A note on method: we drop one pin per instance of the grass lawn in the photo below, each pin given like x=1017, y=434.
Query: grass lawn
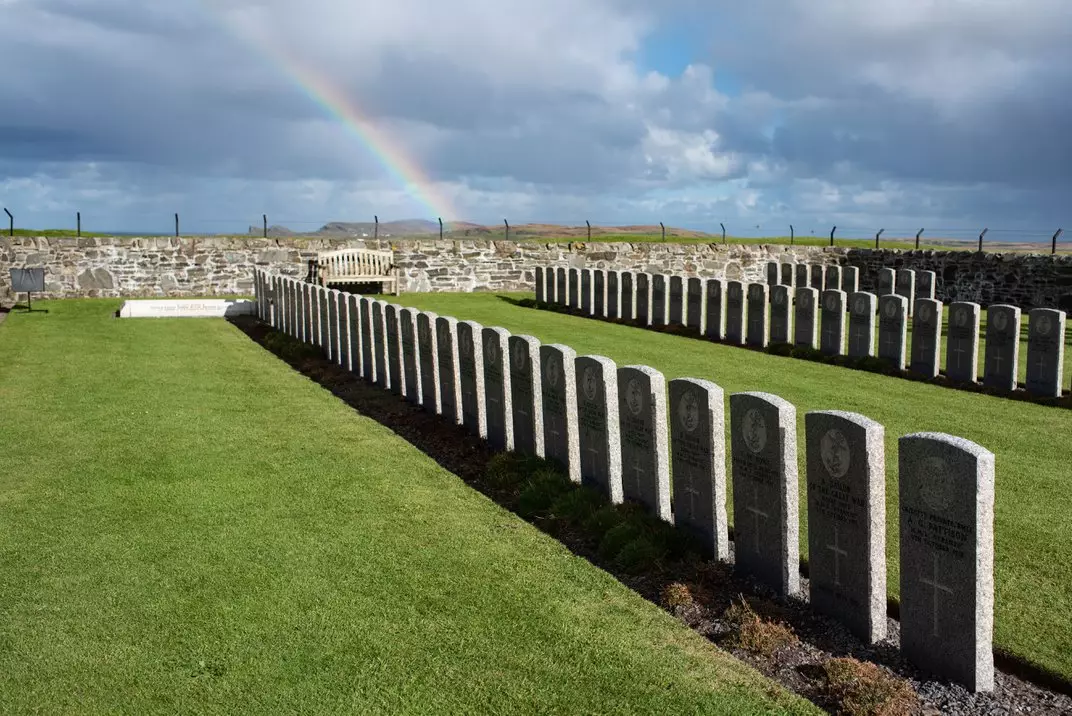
x=189, y=526
x=1031, y=443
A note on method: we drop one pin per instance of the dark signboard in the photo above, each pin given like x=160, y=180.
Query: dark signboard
x=27, y=280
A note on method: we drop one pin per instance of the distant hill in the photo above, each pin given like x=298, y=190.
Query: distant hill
x=465, y=229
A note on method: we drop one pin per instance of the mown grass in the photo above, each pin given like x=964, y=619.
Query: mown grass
x=1033, y=537
x=190, y=526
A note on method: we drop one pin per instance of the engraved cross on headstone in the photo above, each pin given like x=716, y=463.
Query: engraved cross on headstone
x=756, y=514
x=936, y=587
x=638, y=471
x=691, y=491
x=838, y=554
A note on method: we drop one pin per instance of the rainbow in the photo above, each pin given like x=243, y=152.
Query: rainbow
x=388, y=152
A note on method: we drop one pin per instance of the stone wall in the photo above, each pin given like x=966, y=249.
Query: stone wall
x=120, y=266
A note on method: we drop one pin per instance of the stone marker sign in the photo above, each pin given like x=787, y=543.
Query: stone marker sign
x=946, y=487
x=642, y=425
x=962, y=342
x=893, y=329
x=832, y=338
x=1002, y=346
x=187, y=308
x=698, y=457
x=525, y=392
x=450, y=385
x=558, y=394
x=736, y=318
x=862, y=307
x=497, y=390
x=806, y=330
x=927, y=337
x=428, y=351
x=847, y=520
x=781, y=315
x=471, y=377
x=1045, y=351
x=597, y=419
x=765, y=489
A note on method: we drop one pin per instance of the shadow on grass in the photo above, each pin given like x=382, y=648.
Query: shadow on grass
x=647, y=555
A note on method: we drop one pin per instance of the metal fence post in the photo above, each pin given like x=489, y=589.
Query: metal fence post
x=918, y=234
x=878, y=235
x=1058, y=233
x=981, y=239
x=664, y=230
x=507, y=223
x=176, y=225
x=792, y=235
x=264, y=217
x=589, y=230
x=832, y=235
x=723, y=231
x=78, y=217
x=10, y=222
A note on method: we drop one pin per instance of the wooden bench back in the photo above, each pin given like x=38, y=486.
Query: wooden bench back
x=355, y=262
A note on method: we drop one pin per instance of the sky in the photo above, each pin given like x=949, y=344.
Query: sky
x=952, y=116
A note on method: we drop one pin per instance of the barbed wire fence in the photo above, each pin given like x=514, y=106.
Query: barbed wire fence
x=996, y=239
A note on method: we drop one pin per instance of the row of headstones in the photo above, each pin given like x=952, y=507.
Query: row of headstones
x=909, y=283
x=634, y=436
x=737, y=313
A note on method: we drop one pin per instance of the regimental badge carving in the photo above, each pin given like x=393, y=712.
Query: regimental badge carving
x=590, y=383
x=755, y=431
x=688, y=411
x=1044, y=324
x=554, y=371
x=834, y=448
x=1001, y=320
x=936, y=486
x=634, y=397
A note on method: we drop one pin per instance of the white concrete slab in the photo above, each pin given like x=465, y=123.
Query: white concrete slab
x=187, y=308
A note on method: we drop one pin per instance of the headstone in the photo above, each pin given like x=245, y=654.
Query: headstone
x=832, y=337
x=450, y=384
x=541, y=287
x=962, y=342
x=846, y=479
x=833, y=277
x=411, y=357
x=765, y=489
x=678, y=309
x=1045, y=351
x=471, y=377
x=599, y=293
x=614, y=295
x=575, y=289
x=850, y=279
x=736, y=320
x=927, y=337
x=357, y=362
x=757, y=315
x=773, y=273
x=713, y=327
x=428, y=350
x=597, y=420
x=886, y=280
x=525, y=391
x=344, y=330
x=787, y=275
x=587, y=292
x=369, y=347
x=558, y=395
x=695, y=304
x=893, y=330
x=324, y=317
x=1002, y=358
x=803, y=276
x=946, y=489
x=660, y=308
x=818, y=276
x=862, y=307
x=311, y=321
x=806, y=328
x=629, y=302
x=643, y=298
x=548, y=285
x=497, y=390
x=562, y=286
x=698, y=457
x=926, y=281
x=906, y=286
x=642, y=425
x=781, y=315
x=394, y=348
x=334, y=325
x=381, y=370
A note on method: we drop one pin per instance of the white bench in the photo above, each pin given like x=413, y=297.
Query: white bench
x=358, y=266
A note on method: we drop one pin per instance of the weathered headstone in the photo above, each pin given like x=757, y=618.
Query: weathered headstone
x=558, y=394
x=642, y=425
x=736, y=307
x=765, y=489
x=893, y=330
x=781, y=315
x=850, y=279
x=497, y=390
x=629, y=302
x=756, y=334
x=597, y=419
x=324, y=316
x=450, y=385
x=946, y=489
x=1045, y=352
x=525, y=395
x=588, y=292
x=614, y=295
x=1002, y=358
x=773, y=273
x=833, y=277
x=926, y=281
x=369, y=346
x=357, y=362
x=862, y=308
x=599, y=293
x=806, y=327
x=887, y=277
x=832, y=338
x=927, y=337
x=574, y=288
x=344, y=330
x=428, y=351
x=846, y=480
x=678, y=309
x=335, y=325
x=906, y=286
x=562, y=286
x=394, y=348
x=309, y=300
x=549, y=284
x=411, y=357
x=698, y=457
x=695, y=304
x=713, y=327
x=660, y=307
x=803, y=276
x=787, y=275
x=541, y=286
x=381, y=371
x=818, y=276
x=471, y=377
x=643, y=298
x=962, y=342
